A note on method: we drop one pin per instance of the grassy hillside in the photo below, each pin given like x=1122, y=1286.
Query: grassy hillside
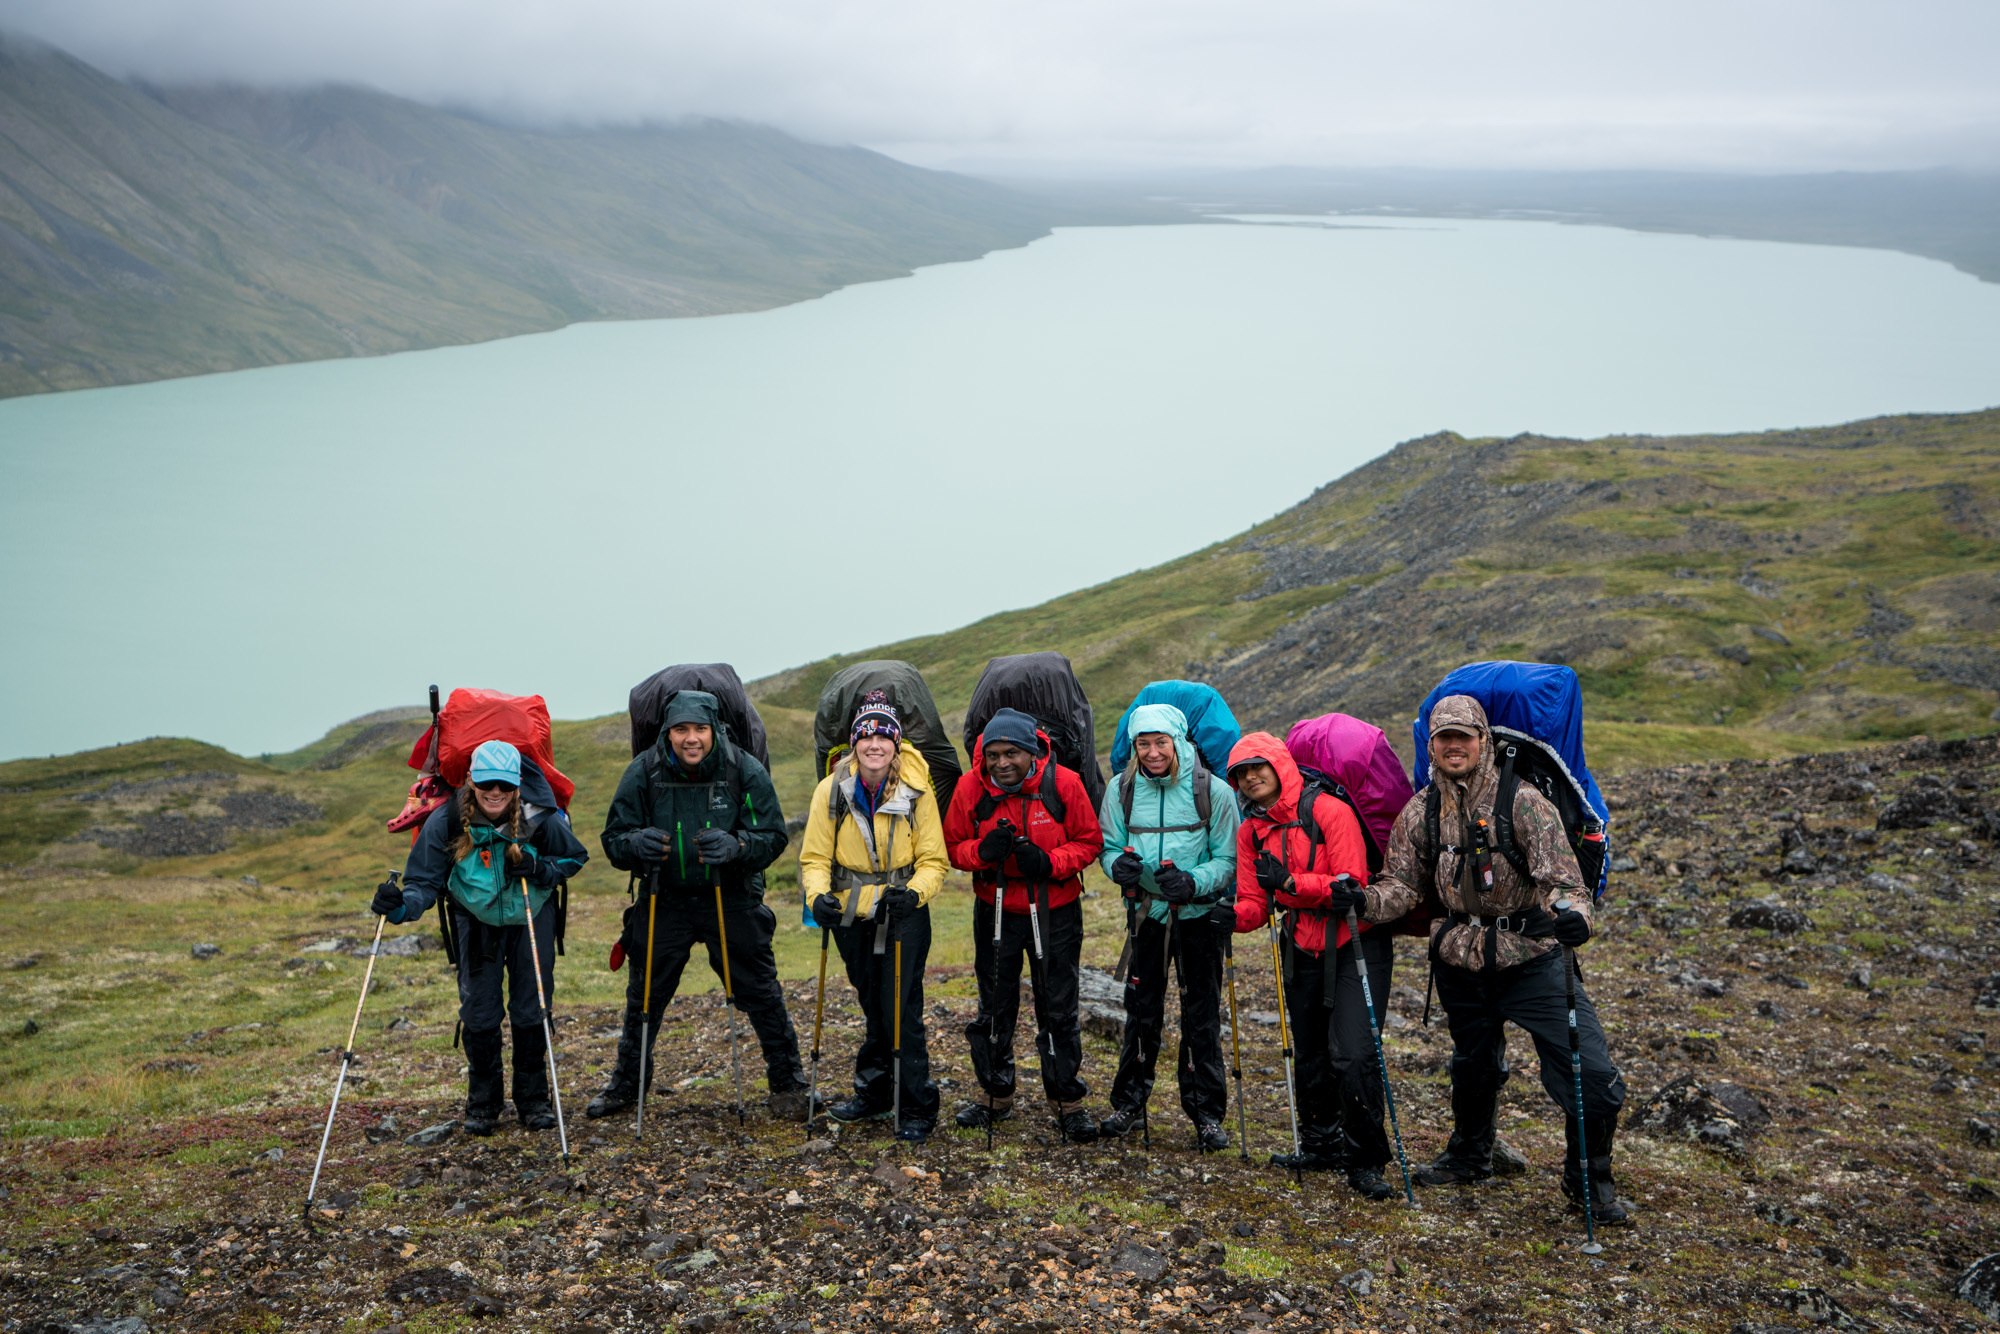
x=154, y=232
x=1721, y=597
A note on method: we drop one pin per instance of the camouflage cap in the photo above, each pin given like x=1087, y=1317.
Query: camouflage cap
x=1458, y=713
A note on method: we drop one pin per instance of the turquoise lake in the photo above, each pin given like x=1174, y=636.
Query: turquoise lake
x=251, y=558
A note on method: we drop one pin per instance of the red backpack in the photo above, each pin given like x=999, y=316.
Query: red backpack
x=443, y=754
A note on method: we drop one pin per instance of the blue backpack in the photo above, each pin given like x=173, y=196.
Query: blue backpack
x=1211, y=726
x=1536, y=712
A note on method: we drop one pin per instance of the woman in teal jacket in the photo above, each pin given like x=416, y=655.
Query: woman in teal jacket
x=1171, y=847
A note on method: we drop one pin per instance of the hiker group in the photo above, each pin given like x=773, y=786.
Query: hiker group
x=1318, y=843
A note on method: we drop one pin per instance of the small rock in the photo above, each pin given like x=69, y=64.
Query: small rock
x=888, y=1174
x=30, y=1028
x=1768, y=915
x=794, y=1200
x=272, y=1155
x=1799, y=861
x=205, y=950
x=1969, y=1042
x=1862, y=978
x=1735, y=653
x=399, y=1024
x=252, y=881
x=1361, y=1283
x=166, y=1299
x=1624, y=865
x=429, y=1135
x=382, y=1131
x=25, y=961
x=700, y=1260
x=1245, y=1229
x=1778, y=1214
x=1875, y=882
x=1140, y=1261
x=1815, y=1304
x=1770, y=1009
x=1508, y=1161
x=484, y=1306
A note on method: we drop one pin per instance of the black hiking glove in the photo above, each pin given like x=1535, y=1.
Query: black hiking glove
x=1176, y=885
x=1345, y=894
x=717, y=846
x=1032, y=861
x=388, y=900
x=1126, y=871
x=1570, y=927
x=999, y=841
x=646, y=845
x=899, y=902
x=1271, y=873
x=826, y=909
x=531, y=867
x=1223, y=915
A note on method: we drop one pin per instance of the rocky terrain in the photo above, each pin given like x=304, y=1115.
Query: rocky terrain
x=1799, y=976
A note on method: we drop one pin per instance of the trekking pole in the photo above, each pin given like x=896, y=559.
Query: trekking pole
x=729, y=996
x=1285, y=1041
x=819, y=1014
x=548, y=1036
x=346, y=1058
x=896, y=1047
x=1375, y=1031
x=1590, y=1246
x=1235, y=1045
x=646, y=1002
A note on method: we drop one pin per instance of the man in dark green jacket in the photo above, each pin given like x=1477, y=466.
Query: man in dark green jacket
x=694, y=811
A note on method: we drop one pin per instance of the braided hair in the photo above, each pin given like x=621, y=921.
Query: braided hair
x=468, y=810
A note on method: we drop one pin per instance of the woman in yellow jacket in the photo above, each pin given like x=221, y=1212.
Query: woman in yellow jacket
x=872, y=858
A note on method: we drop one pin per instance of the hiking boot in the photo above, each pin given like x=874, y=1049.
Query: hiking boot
x=799, y=1104
x=914, y=1131
x=849, y=1110
x=1606, y=1205
x=531, y=1079
x=978, y=1115
x=1307, y=1160
x=1210, y=1137
x=622, y=1092
x=1122, y=1121
x=1451, y=1172
x=1078, y=1128
x=485, y=1084
x=1369, y=1184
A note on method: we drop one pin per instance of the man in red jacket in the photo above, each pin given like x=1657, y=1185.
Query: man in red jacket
x=1286, y=864
x=1024, y=826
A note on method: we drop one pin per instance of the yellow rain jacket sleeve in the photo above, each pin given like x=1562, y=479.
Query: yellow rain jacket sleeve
x=908, y=828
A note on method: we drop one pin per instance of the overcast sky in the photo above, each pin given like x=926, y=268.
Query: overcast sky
x=1737, y=84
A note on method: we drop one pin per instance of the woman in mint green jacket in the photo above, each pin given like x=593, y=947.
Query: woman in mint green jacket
x=1170, y=845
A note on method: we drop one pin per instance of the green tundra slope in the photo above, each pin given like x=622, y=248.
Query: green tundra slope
x=154, y=232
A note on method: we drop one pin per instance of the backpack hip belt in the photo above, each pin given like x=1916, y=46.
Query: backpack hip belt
x=845, y=877
x=1491, y=927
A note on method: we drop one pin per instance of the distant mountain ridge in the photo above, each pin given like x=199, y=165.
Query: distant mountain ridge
x=148, y=232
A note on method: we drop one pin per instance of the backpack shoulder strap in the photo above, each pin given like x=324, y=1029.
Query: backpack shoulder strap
x=1051, y=798
x=1503, y=816
x=1125, y=784
x=1433, y=840
x=1204, y=800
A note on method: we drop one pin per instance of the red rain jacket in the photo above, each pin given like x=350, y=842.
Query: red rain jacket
x=1277, y=831
x=1071, y=845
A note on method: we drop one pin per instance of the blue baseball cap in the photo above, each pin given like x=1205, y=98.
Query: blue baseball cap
x=496, y=762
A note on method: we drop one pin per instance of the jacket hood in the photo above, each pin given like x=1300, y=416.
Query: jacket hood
x=691, y=706
x=1461, y=713
x=1170, y=720
x=535, y=789
x=1262, y=746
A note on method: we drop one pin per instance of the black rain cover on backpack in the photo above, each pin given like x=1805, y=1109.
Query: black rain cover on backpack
x=914, y=705
x=649, y=704
x=1043, y=686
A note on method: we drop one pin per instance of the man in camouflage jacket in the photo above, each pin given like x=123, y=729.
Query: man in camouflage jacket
x=1500, y=948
